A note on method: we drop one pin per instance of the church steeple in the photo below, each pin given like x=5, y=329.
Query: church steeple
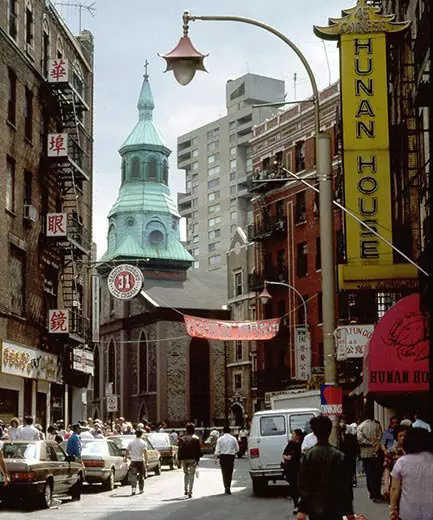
x=145, y=103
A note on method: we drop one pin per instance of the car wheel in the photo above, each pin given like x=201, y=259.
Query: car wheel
x=158, y=469
x=46, y=498
x=109, y=483
x=260, y=485
x=77, y=488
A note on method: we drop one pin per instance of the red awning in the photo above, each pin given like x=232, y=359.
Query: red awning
x=396, y=357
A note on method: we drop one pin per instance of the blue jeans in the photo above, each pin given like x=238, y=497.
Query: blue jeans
x=137, y=473
x=373, y=473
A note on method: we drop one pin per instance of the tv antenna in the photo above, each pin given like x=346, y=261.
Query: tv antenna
x=90, y=8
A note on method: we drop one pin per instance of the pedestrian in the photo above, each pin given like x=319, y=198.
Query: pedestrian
x=420, y=423
x=387, y=445
x=28, y=432
x=291, y=460
x=137, y=450
x=324, y=479
x=13, y=430
x=73, y=447
x=309, y=441
x=41, y=433
x=369, y=435
x=174, y=435
x=3, y=469
x=349, y=446
x=392, y=455
x=412, y=479
x=226, y=448
x=189, y=454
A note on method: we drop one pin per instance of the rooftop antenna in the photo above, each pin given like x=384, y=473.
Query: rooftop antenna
x=90, y=8
x=327, y=63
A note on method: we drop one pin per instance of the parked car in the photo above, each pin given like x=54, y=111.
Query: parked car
x=153, y=455
x=104, y=462
x=167, y=447
x=269, y=433
x=38, y=470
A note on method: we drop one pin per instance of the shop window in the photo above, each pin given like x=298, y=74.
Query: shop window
x=12, y=97
x=302, y=260
x=300, y=156
x=318, y=254
x=301, y=214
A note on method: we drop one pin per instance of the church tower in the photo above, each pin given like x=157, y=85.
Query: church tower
x=143, y=224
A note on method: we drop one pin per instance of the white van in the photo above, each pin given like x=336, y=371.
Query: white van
x=269, y=434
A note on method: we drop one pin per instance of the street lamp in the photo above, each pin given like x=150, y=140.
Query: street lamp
x=265, y=297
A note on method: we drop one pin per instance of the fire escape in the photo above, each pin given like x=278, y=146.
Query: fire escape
x=68, y=165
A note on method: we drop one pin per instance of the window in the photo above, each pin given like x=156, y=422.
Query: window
x=213, y=184
x=60, y=454
x=13, y=18
x=272, y=425
x=196, y=239
x=151, y=169
x=318, y=254
x=59, y=47
x=215, y=260
x=384, y=301
x=238, y=283
x=300, y=156
x=165, y=172
x=195, y=228
x=215, y=221
x=196, y=251
x=194, y=166
x=195, y=153
x=212, y=235
x=249, y=165
x=213, y=158
x=212, y=134
x=10, y=184
x=196, y=264
x=302, y=260
x=232, y=176
x=188, y=186
x=319, y=308
x=238, y=382
x=232, y=138
x=233, y=215
x=214, y=195
x=240, y=91
x=213, y=171
x=301, y=422
x=194, y=141
x=212, y=147
x=238, y=351
x=233, y=151
x=279, y=209
x=316, y=204
x=27, y=187
x=135, y=168
x=301, y=309
x=212, y=248
x=233, y=190
x=12, y=97
x=233, y=228
x=233, y=203
x=194, y=190
x=214, y=208
x=16, y=281
x=300, y=207
x=28, y=114
x=29, y=24
x=46, y=46
x=232, y=126
x=321, y=356
x=233, y=165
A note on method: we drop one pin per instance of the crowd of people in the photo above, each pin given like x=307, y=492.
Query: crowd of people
x=398, y=465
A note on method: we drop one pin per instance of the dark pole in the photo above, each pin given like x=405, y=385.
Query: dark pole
x=430, y=271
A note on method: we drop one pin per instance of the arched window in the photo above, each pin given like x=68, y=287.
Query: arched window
x=142, y=364
x=46, y=44
x=165, y=171
x=111, y=374
x=135, y=168
x=123, y=170
x=112, y=242
x=29, y=26
x=97, y=375
x=152, y=169
x=78, y=79
x=59, y=47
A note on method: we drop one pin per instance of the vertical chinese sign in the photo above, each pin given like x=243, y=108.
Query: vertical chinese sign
x=362, y=34
x=302, y=354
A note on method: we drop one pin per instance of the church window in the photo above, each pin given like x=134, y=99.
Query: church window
x=111, y=238
x=123, y=170
x=151, y=172
x=165, y=172
x=156, y=237
x=135, y=168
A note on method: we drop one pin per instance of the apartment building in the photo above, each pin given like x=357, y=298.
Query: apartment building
x=217, y=162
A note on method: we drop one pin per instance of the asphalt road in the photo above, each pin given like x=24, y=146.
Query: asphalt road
x=163, y=500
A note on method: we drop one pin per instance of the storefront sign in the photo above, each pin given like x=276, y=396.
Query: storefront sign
x=331, y=400
x=351, y=340
x=231, y=330
x=364, y=98
x=397, y=355
x=303, y=354
x=125, y=282
x=18, y=360
x=58, y=321
x=82, y=360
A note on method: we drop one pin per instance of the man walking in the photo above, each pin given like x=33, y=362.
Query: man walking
x=28, y=432
x=189, y=455
x=73, y=447
x=369, y=435
x=226, y=448
x=137, y=450
x=324, y=479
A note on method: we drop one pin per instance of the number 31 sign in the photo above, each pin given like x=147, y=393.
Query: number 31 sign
x=125, y=281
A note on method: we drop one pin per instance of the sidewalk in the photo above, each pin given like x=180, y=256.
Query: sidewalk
x=362, y=503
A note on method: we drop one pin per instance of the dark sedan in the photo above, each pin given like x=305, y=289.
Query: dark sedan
x=167, y=447
x=38, y=470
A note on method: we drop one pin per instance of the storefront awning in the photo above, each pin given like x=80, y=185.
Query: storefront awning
x=396, y=357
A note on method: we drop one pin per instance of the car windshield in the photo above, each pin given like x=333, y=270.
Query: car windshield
x=94, y=448
x=122, y=442
x=159, y=439
x=20, y=451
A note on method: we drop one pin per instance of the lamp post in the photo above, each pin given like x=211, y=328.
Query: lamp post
x=185, y=60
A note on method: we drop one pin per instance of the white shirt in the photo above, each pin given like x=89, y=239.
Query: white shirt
x=86, y=436
x=14, y=433
x=227, y=445
x=174, y=435
x=419, y=423
x=243, y=433
x=309, y=441
x=28, y=433
x=137, y=448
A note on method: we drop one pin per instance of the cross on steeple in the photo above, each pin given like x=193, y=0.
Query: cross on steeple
x=146, y=64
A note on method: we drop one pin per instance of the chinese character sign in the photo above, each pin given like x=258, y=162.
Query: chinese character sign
x=303, y=354
x=58, y=321
x=57, y=145
x=58, y=71
x=351, y=340
x=57, y=224
x=22, y=361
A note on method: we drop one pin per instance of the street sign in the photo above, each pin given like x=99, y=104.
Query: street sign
x=108, y=389
x=112, y=403
x=303, y=354
x=125, y=281
x=351, y=340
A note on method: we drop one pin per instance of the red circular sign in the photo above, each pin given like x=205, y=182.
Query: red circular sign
x=125, y=281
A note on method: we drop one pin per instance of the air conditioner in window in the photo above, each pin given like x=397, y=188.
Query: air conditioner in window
x=30, y=213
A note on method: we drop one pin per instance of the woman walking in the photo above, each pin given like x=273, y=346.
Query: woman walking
x=291, y=460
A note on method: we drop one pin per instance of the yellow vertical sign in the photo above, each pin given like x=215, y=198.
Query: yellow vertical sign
x=364, y=98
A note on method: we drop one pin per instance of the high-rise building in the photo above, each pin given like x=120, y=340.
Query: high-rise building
x=217, y=162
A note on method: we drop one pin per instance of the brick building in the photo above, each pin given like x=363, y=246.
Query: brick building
x=46, y=203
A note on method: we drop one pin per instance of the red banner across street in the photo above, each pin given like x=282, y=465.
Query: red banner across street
x=231, y=330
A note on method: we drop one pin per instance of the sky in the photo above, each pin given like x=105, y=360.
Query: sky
x=128, y=32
